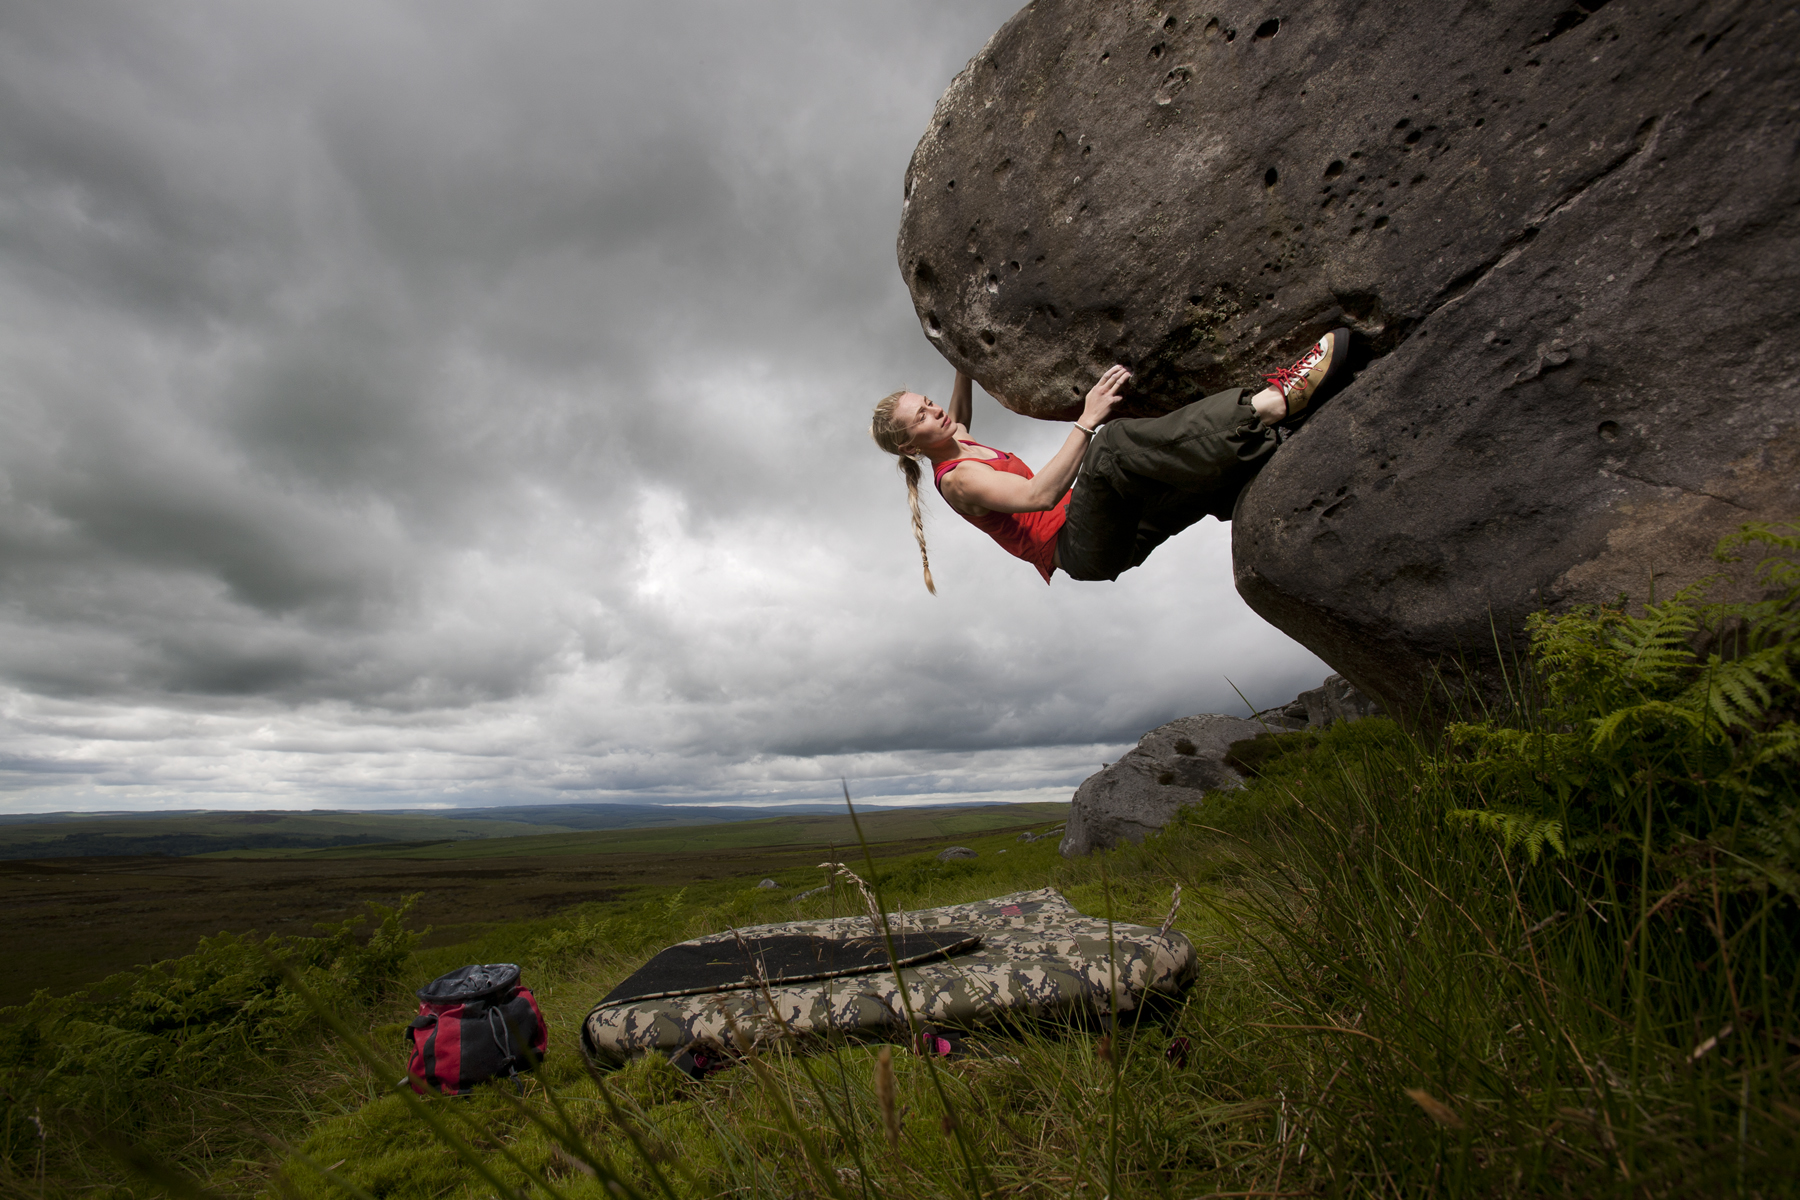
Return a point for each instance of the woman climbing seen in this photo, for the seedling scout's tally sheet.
(1141, 479)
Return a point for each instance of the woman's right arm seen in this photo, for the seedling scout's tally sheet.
(962, 400)
(999, 491)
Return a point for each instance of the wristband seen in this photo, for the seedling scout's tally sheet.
(1086, 430)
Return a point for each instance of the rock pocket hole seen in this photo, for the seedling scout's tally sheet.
(931, 324)
(1412, 139)
(993, 283)
(1184, 746)
(1231, 35)
(924, 276)
(1268, 29)
(1335, 169)
(987, 337)
(1609, 431)
(1156, 51)
(1270, 178)
(1381, 223)
(1169, 24)
(951, 185)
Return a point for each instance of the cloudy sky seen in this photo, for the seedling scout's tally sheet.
(440, 402)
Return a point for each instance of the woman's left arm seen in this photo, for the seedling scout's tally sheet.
(972, 489)
(962, 400)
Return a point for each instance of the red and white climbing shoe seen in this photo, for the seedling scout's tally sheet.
(1323, 362)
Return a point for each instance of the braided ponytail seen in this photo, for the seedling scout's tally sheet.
(887, 435)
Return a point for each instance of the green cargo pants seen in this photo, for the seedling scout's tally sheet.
(1146, 479)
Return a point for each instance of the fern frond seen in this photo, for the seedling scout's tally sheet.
(1608, 730)
(1740, 692)
(1514, 829)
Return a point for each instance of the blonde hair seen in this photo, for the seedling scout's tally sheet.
(887, 434)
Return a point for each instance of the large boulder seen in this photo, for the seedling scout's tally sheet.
(1171, 767)
(1566, 233)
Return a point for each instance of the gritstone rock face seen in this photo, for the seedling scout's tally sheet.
(1565, 232)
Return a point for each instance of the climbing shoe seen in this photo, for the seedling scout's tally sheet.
(1302, 383)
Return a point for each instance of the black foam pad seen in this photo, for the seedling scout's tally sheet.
(724, 966)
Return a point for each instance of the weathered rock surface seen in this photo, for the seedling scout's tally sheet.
(1178, 763)
(1317, 708)
(1567, 233)
(1335, 700)
(1171, 766)
(955, 852)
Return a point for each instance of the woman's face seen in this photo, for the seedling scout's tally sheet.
(921, 422)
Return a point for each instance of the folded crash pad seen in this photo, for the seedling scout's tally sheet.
(1027, 954)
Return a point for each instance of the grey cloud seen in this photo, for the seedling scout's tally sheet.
(409, 400)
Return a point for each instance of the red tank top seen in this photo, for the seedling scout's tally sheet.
(1030, 536)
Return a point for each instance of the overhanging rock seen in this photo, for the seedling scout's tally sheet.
(1566, 233)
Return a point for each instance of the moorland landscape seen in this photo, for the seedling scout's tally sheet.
(1550, 950)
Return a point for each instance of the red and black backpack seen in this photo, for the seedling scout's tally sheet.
(475, 1024)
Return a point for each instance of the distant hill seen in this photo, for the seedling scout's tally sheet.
(196, 832)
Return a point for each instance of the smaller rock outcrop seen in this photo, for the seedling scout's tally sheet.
(767, 883)
(1176, 764)
(1171, 766)
(1335, 700)
(957, 852)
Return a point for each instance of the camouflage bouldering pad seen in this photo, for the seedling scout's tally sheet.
(1036, 957)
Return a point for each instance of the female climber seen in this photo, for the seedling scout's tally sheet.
(1141, 479)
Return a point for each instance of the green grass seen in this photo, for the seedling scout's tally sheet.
(1355, 949)
(1380, 1010)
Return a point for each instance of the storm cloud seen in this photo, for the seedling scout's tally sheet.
(450, 403)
